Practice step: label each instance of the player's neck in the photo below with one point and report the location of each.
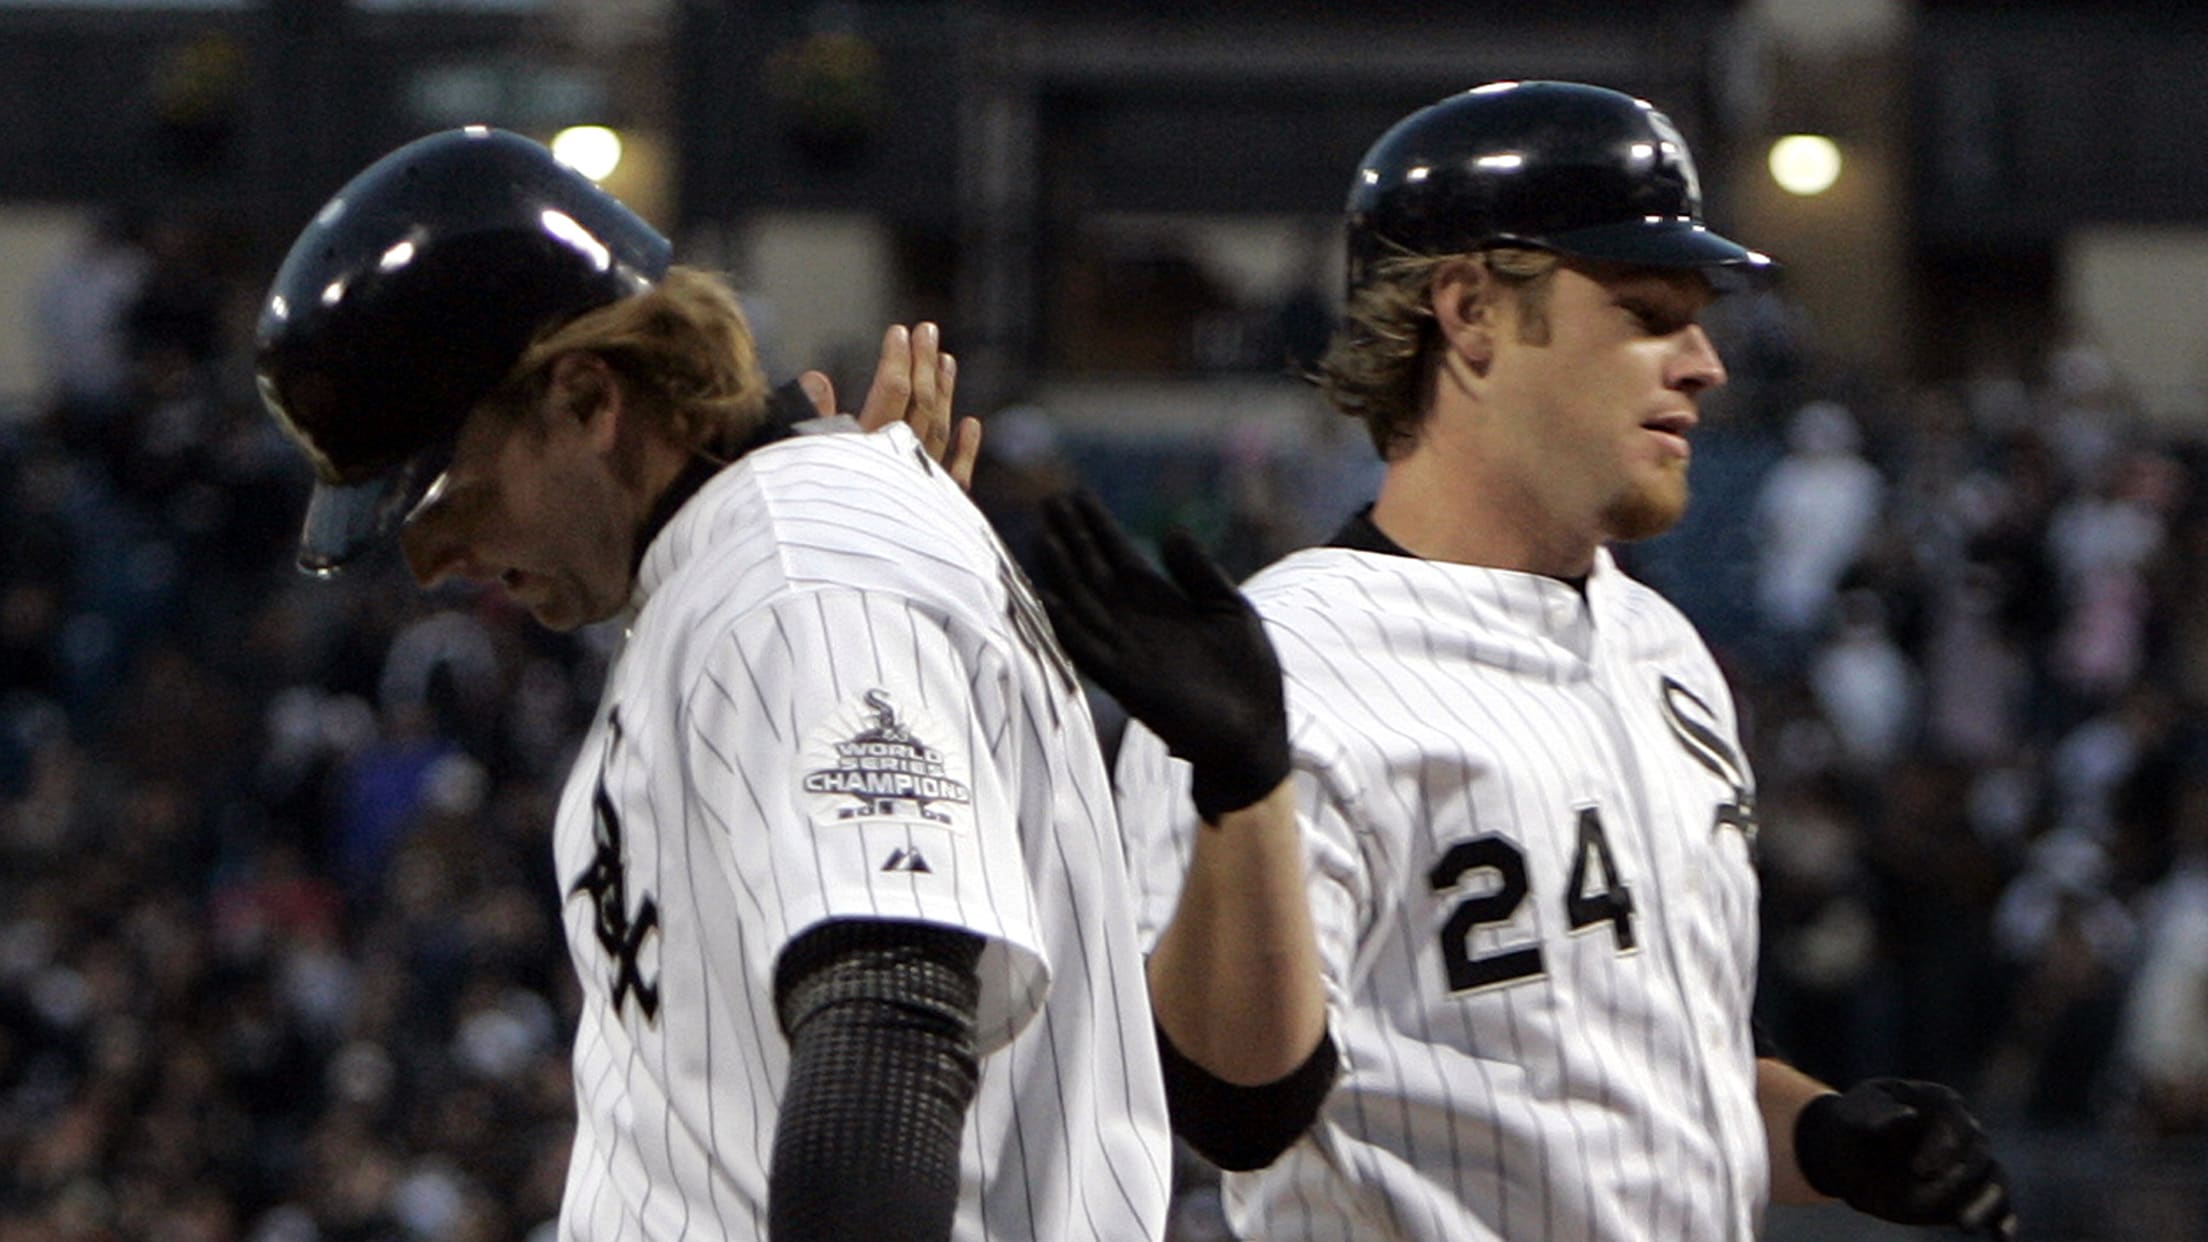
(1437, 508)
(669, 477)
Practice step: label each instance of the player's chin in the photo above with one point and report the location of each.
(563, 618)
(556, 620)
(559, 611)
(1648, 510)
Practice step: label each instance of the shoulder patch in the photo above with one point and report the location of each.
(884, 759)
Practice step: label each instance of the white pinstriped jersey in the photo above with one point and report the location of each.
(1529, 829)
(837, 700)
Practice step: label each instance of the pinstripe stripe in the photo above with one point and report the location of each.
(1083, 960)
(1393, 1051)
(603, 1068)
(1430, 657)
(632, 1213)
(1451, 1104)
(1381, 674)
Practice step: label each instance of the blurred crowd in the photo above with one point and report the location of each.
(279, 943)
(1975, 669)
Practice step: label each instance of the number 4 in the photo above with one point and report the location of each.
(1594, 894)
(1613, 902)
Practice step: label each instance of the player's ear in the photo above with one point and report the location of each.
(583, 388)
(1462, 299)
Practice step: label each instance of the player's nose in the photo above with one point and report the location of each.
(436, 551)
(1696, 368)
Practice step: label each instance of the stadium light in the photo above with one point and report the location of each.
(592, 150)
(1805, 164)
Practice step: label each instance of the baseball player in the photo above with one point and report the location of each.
(1445, 830)
(839, 869)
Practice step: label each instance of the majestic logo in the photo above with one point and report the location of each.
(887, 772)
(606, 883)
(902, 859)
(1696, 727)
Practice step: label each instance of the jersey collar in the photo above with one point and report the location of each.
(1361, 534)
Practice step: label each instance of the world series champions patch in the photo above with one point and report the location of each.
(881, 759)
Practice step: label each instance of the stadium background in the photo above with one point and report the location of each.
(278, 957)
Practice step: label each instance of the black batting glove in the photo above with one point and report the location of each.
(1904, 1151)
(1186, 655)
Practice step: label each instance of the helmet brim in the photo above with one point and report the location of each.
(344, 521)
(1667, 243)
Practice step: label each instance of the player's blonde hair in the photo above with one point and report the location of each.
(1379, 366)
(682, 349)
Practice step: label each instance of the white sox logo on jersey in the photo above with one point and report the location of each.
(605, 881)
(1695, 725)
(884, 770)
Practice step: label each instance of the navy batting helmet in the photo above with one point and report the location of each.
(411, 296)
(1577, 169)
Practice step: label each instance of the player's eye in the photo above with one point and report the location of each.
(1653, 319)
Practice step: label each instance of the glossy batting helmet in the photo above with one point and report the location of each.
(410, 298)
(1577, 169)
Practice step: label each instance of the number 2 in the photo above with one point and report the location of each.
(1508, 862)
(1593, 894)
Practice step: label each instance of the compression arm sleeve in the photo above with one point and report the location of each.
(880, 1019)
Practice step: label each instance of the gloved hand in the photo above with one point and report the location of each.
(1185, 655)
(1904, 1151)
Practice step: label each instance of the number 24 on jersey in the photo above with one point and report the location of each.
(1593, 894)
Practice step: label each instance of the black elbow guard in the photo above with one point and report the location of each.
(1243, 1128)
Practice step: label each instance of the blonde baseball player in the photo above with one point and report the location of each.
(1445, 829)
(839, 868)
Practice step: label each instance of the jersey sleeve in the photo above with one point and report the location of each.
(1157, 824)
(1334, 851)
(1158, 818)
(842, 736)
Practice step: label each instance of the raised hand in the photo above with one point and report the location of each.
(914, 382)
(1185, 654)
